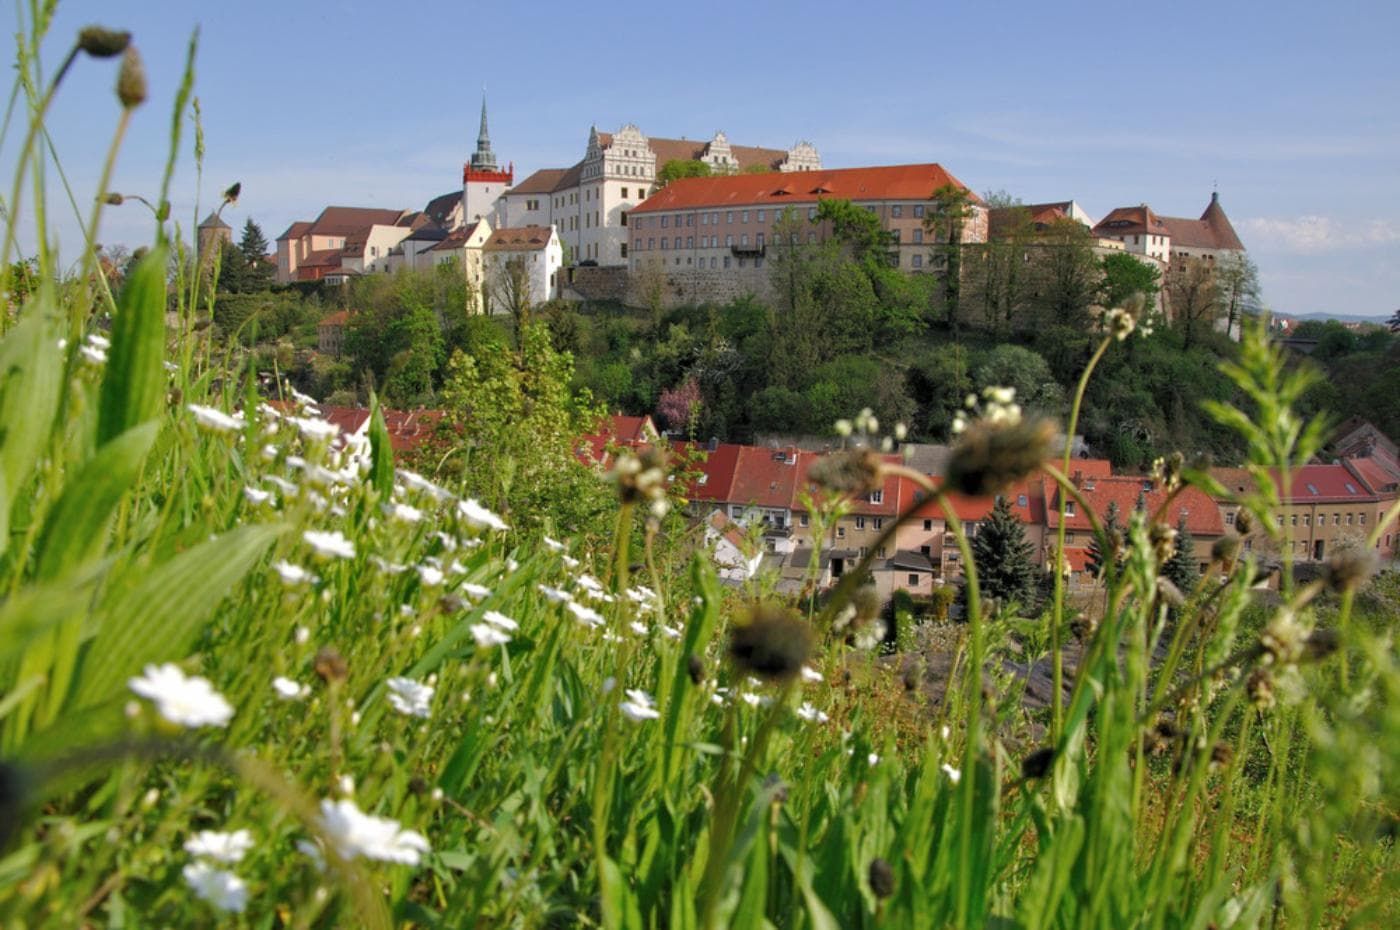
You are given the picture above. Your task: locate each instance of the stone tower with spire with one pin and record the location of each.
(483, 181)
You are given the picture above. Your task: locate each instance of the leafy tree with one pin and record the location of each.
(1024, 370)
(1181, 568)
(1104, 547)
(680, 406)
(1394, 322)
(1193, 296)
(1239, 289)
(514, 421)
(1000, 199)
(676, 168)
(996, 283)
(938, 385)
(1002, 555)
(1125, 276)
(1068, 277)
(508, 289)
(950, 207)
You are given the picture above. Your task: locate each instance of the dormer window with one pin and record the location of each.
(877, 497)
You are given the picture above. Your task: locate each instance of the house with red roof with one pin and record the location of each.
(309, 251)
(711, 237)
(330, 332)
(520, 262)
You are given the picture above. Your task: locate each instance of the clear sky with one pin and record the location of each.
(1291, 110)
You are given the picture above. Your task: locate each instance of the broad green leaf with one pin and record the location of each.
(381, 475)
(133, 386)
(77, 526)
(159, 618)
(31, 377)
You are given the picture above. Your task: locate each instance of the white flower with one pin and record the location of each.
(953, 774)
(99, 341)
(500, 620)
(302, 636)
(410, 697)
(214, 419)
(585, 615)
(330, 545)
(355, 833)
(638, 627)
(479, 517)
(92, 354)
(810, 713)
(590, 584)
(430, 577)
(292, 574)
(187, 701)
(811, 674)
(873, 759)
(554, 595)
(473, 590)
(403, 513)
(571, 562)
(488, 635)
(639, 706)
(670, 631)
(314, 429)
(417, 482)
(312, 852)
(554, 545)
(289, 690)
(221, 847)
(286, 487)
(387, 567)
(257, 496)
(222, 889)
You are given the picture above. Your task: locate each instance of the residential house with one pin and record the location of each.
(309, 251)
(590, 201)
(531, 256)
(330, 333)
(736, 557)
(710, 238)
(466, 247)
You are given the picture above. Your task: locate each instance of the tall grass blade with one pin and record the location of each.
(133, 387)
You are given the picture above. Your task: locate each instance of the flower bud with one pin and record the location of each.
(773, 644)
(991, 456)
(330, 665)
(131, 80)
(1225, 550)
(100, 42)
(850, 471)
(113, 199)
(231, 195)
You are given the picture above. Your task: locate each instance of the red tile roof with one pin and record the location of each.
(1323, 484)
(1376, 474)
(1129, 221)
(889, 182)
(1202, 515)
(719, 522)
(338, 318)
(296, 230)
(717, 469)
(972, 509)
(523, 239)
(765, 477)
(891, 493)
(342, 221)
(544, 181)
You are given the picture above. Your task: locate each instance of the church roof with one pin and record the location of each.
(887, 182)
(1211, 231)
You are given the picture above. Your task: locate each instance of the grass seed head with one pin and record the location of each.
(1225, 550)
(855, 472)
(881, 876)
(695, 669)
(772, 644)
(993, 455)
(131, 80)
(101, 42)
(1349, 569)
(330, 665)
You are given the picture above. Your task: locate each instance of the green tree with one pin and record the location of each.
(508, 290)
(1126, 275)
(995, 279)
(1181, 569)
(1193, 297)
(676, 168)
(257, 272)
(1002, 555)
(515, 420)
(1024, 370)
(1239, 289)
(1105, 546)
(1068, 277)
(950, 207)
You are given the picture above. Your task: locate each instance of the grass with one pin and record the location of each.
(546, 792)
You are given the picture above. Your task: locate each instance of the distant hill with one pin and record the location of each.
(1378, 319)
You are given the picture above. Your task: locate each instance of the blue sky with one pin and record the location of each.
(1291, 109)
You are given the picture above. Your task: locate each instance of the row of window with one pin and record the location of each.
(1307, 518)
(700, 262)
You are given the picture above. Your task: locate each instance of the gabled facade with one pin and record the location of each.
(536, 248)
(309, 251)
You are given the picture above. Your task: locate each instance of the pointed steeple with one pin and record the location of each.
(483, 159)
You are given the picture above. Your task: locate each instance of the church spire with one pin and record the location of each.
(483, 159)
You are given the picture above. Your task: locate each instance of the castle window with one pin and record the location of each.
(918, 209)
(897, 210)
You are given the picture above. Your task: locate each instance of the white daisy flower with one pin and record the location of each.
(589, 583)
(289, 690)
(953, 774)
(416, 482)
(221, 847)
(330, 545)
(430, 577)
(292, 574)
(222, 889)
(670, 631)
(811, 674)
(314, 430)
(187, 701)
(637, 627)
(410, 697)
(282, 484)
(488, 635)
(478, 517)
(473, 590)
(571, 562)
(211, 418)
(387, 567)
(256, 496)
(92, 354)
(585, 615)
(873, 759)
(403, 513)
(639, 706)
(810, 713)
(100, 341)
(500, 620)
(554, 545)
(554, 595)
(355, 833)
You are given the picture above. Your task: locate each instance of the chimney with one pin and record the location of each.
(1077, 479)
(713, 444)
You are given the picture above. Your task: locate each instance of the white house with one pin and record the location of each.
(538, 251)
(735, 557)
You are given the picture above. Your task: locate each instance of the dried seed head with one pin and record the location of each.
(1221, 754)
(695, 669)
(851, 471)
(231, 195)
(1260, 688)
(131, 79)
(1163, 539)
(1225, 550)
(1161, 737)
(330, 665)
(1167, 471)
(113, 199)
(1244, 522)
(1171, 595)
(772, 643)
(1037, 764)
(991, 456)
(101, 42)
(1320, 644)
(881, 877)
(1349, 569)
(641, 477)
(1284, 640)
(1082, 627)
